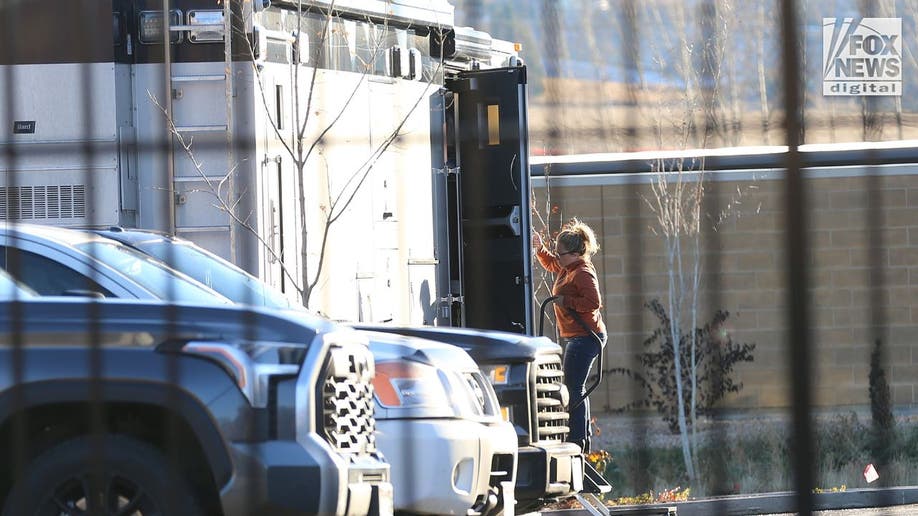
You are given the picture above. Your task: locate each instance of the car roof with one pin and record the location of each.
(70, 238)
(135, 236)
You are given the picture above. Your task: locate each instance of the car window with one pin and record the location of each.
(153, 275)
(10, 289)
(216, 273)
(46, 276)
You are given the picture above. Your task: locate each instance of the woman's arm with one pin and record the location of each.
(548, 260)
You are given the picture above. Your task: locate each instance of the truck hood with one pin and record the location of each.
(484, 346)
(159, 321)
(391, 346)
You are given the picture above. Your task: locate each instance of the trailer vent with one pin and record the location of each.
(42, 202)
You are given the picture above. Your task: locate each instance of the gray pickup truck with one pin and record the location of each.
(140, 407)
(527, 377)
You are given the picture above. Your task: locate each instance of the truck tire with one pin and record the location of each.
(135, 475)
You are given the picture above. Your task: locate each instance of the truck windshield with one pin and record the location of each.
(149, 273)
(217, 273)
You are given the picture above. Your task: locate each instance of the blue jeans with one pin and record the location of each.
(579, 355)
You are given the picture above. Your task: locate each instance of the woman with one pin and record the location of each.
(577, 314)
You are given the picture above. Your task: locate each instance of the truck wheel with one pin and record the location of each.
(135, 481)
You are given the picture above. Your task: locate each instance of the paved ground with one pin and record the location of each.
(898, 501)
(901, 510)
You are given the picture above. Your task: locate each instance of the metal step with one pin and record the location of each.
(630, 510)
(592, 504)
(200, 128)
(596, 507)
(593, 481)
(642, 511)
(198, 179)
(202, 229)
(216, 27)
(198, 78)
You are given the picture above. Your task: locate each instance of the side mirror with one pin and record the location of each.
(260, 5)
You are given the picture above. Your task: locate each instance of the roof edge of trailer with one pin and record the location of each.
(418, 14)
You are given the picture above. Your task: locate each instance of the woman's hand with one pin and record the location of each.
(536, 240)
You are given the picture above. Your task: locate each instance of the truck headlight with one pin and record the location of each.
(473, 396)
(405, 384)
(423, 390)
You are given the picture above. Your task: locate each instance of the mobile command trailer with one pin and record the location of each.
(438, 232)
(102, 127)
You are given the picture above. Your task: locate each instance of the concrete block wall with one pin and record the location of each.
(855, 297)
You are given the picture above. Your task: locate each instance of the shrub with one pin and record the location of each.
(715, 355)
(841, 441)
(880, 402)
(883, 444)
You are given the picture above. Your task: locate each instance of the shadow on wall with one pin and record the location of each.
(428, 308)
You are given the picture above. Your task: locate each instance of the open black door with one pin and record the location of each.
(487, 119)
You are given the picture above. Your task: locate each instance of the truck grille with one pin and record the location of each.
(347, 401)
(551, 411)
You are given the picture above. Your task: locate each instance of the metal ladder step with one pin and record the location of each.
(200, 128)
(216, 27)
(202, 229)
(198, 179)
(199, 78)
(592, 504)
(593, 481)
(632, 510)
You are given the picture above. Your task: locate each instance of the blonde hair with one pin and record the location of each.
(578, 238)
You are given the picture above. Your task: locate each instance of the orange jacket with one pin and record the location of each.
(578, 284)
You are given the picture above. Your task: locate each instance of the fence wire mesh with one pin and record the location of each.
(754, 205)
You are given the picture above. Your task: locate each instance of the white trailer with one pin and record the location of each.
(98, 119)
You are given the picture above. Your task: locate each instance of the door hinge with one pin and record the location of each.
(446, 305)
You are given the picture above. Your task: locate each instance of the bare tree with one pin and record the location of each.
(678, 190)
(547, 219)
